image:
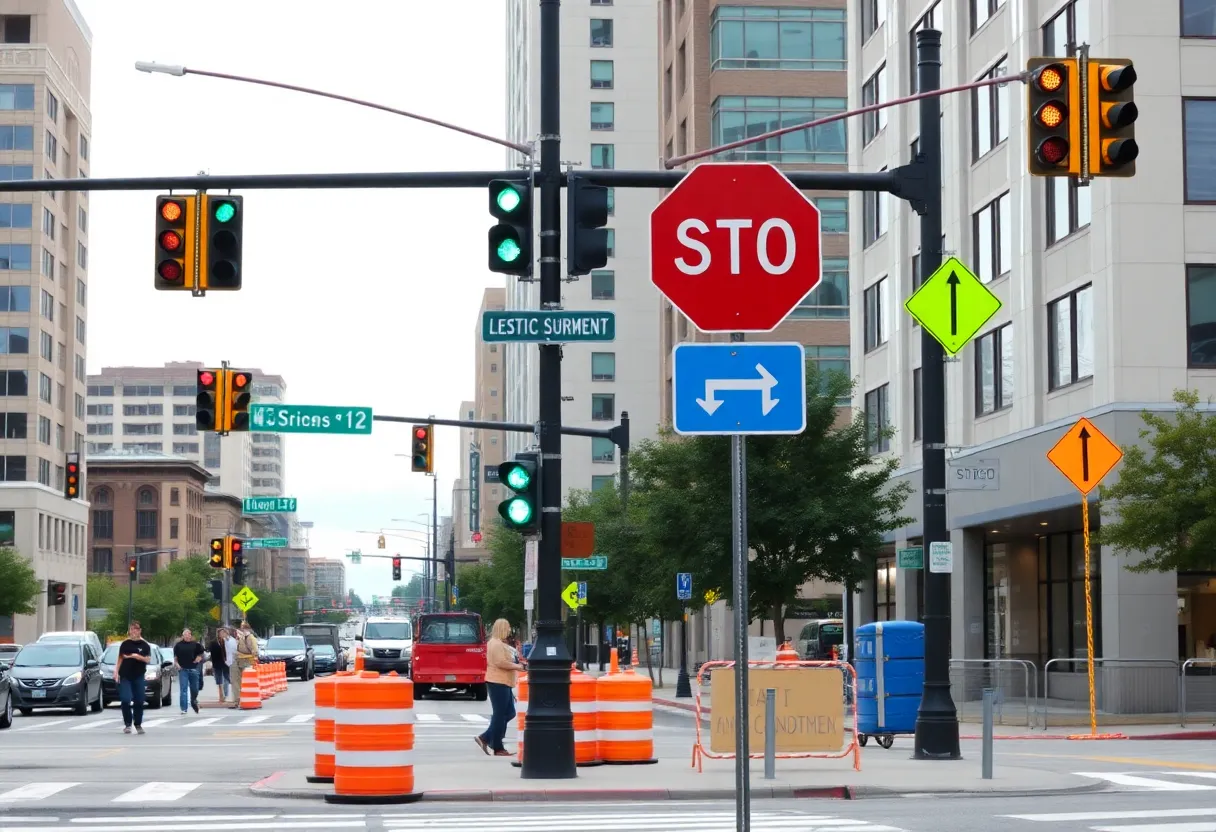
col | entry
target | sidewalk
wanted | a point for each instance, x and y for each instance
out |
(883, 775)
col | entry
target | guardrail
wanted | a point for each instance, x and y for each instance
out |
(1197, 687)
(1015, 683)
(1122, 687)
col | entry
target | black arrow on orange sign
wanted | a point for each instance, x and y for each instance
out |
(953, 281)
(1084, 435)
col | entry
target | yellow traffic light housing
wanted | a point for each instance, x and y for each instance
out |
(176, 242)
(1053, 130)
(1112, 117)
(238, 386)
(422, 457)
(217, 559)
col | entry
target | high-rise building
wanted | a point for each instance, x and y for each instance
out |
(45, 129)
(609, 120)
(1108, 304)
(327, 579)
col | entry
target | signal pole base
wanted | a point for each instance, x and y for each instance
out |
(549, 728)
(936, 736)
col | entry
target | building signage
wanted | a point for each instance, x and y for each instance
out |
(491, 473)
(974, 475)
(474, 490)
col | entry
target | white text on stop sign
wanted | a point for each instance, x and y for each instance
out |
(733, 226)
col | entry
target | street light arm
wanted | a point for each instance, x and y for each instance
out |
(173, 69)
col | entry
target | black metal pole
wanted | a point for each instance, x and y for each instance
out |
(130, 598)
(937, 720)
(549, 731)
(683, 684)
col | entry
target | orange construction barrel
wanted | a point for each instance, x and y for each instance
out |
(625, 718)
(373, 740)
(583, 707)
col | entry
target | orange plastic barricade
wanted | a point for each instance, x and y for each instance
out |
(786, 653)
(700, 751)
(251, 689)
(624, 716)
(282, 675)
(521, 715)
(358, 657)
(323, 730)
(373, 739)
(583, 705)
(264, 686)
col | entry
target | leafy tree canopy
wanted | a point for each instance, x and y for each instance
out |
(19, 585)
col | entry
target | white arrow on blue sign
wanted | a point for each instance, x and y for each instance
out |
(582, 590)
(684, 586)
(739, 388)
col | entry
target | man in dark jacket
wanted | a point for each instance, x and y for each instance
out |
(188, 657)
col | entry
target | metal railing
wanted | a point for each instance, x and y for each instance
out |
(1122, 687)
(1197, 688)
(1014, 682)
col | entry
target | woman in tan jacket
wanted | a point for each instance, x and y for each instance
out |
(501, 670)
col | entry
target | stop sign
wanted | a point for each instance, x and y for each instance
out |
(735, 247)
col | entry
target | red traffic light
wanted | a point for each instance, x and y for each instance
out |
(132, 565)
(396, 562)
(170, 270)
(420, 433)
(236, 547)
(1053, 151)
(172, 210)
(206, 378)
(171, 241)
(476, 537)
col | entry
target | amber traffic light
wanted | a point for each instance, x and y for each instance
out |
(1053, 131)
(133, 568)
(238, 396)
(175, 241)
(1112, 117)
(217, 553)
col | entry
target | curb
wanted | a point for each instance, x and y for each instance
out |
(1176, 735)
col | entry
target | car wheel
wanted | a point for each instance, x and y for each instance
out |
(82, 707)
(6, 716)
(167, 699)
(421, 691)
(158, 700)
(480, 692)
(26, 711)
(97, 703)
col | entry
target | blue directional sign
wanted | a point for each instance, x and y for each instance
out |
(684, 586)
(582, 592)
(739, 388)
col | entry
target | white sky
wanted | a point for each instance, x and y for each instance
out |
(364, 298)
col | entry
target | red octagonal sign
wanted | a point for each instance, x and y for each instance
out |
(735, 247)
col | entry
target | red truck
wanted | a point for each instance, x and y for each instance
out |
(449, 654)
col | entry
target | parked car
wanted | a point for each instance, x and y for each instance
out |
(158, 678)
(294, 652)
(6, 699)
(56, 675)
(8, 652)
(327, 659)
(87, 636)
(450, 653)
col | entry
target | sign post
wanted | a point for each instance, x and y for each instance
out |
(736, 247)
(683, 595)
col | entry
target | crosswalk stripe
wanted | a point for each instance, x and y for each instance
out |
(97, 723)
(474, 718)
(200, 723)
(300, 718)
(1145, 782)
(47, 724)
(156, 791)
(253, 720)
(1130, 814)
(1209, 826)
(640, 822)
(156, 722)
(35, 791)
(427, 717)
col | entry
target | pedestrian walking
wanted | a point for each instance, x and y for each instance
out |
(502, 668)
(246, 648)
(219, 664)
(188, 657)
(133, 657)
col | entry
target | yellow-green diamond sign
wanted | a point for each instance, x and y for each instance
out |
(245, 599)
(952, 305)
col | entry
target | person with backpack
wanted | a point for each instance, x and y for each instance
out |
(246, 656)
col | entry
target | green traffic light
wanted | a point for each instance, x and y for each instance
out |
(519, 511)
(224, 211)
(508, 199)
(508, 251)
(518, 478)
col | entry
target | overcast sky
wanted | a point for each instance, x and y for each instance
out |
(364, 298)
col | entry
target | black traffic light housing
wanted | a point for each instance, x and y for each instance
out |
(238, 396)
(1112, 114)
(208, 402)
(217, 589)
(222, 228)
(422, 449)
(217, 557)
(1053, 123)
(71, 476)
(522, 509)
(176, 224)
(510, 239)
(56, 593)
(132, 569)
(236, 553)
(586, 216)
(396, 569)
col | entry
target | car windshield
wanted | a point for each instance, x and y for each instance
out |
(49, 655)
(111, 654)
(285, 643)
(324, 650)
(388, 631)
(449, 630)
(70, 638)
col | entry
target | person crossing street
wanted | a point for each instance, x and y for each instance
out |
(133, 657)
(188, 657)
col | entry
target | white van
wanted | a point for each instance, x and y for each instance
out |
(388, 644)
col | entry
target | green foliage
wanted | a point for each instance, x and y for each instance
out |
(495, 589)
(178, 596)
(353, 599)
(413, 590)
(19, 584)
(1166, 496)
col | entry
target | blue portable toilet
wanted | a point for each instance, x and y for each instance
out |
(889, 657)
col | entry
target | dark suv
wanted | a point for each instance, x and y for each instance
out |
(158, 678)
(56, 675)
(294, 652)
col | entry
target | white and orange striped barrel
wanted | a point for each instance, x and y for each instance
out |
(625, 718)
(786, 653)
(373, 739)
(521, 713)
(583, 707)
(251, 688)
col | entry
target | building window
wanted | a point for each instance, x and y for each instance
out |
(831, 360)
(927, 21)
(46, 346)
(993, 239)
(601, 75)
(146, 524)
(44, 387)
(603, 156)
(14, 340)
(736, 117)
(1198, 147)
(1068, 207)
(599, 482)
(44, 430)
(13, 425)
(777, 38)
(833, 214)
(874, 91)
(1070, 338)
(12, 468)
(601, 31)
(175, 497)
(875, 216)
(873, 15)
(603, 115)
(610, 233)
(51, 148)
(603, 285)
(603, 366)
(1201, 316)
(44, 471)
(82, 256)
(611, 202)
(12, 172)
(994, 371)
(20, 215)
(103, 560)
(1199, 18)
(103, 524)
(982, 10)
(15, 257)
(16, 137)
(602, 450)
(603, 407)
(1061, 568)
(990, 112)
(173, 528)
(14, 298)
(830, 299)
(876, 309)
(878, 418)
(917, 404)
(17, 97)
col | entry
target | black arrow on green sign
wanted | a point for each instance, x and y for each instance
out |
(953, 281)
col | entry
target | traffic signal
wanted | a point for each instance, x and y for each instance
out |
(1054, 115)
(1112, 117)
(71, 478)
(237, 398)
(208, 402)
(217, 553)
(586, 216)
(521, 510)
(236, 555)
(175, 241)
(511, 237)
(133, 569)
(56, 593)
(396, 569)
(380, 542)
(422, 458)
(222, 229)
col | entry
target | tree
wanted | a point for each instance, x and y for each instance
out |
(1166, 496)
(495, 589)
(19, 584)
(176, 597)
(354, 599)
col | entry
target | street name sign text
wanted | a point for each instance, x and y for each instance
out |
(547, 326)
(309, 418)
(268, 505)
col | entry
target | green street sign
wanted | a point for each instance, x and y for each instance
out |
(912, 558)
(309, 418)
(356, 556)
(597, 562)
(547, 326)
(266, 543)
(268, 505)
